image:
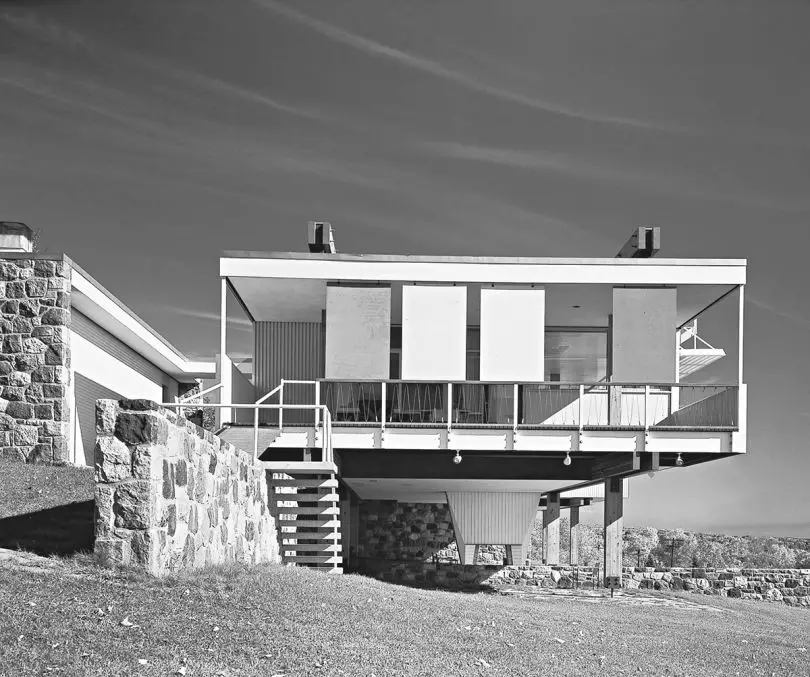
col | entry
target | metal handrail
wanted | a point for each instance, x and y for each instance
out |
(587, 384)
(326, 443)
(187, 400)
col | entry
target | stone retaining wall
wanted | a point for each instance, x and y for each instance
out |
(791, 586)
(170, 495)
(34, 358)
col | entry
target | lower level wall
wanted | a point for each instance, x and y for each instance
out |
(170, 495)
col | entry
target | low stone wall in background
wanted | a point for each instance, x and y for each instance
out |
(791, 586)
(170, 495)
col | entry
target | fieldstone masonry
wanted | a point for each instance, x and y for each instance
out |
(170, 495)
(34, 358)
(790, 586)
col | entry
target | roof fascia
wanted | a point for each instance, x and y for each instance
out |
(93, 300)
(495, 270)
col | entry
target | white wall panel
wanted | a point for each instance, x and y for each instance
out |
(512, 334)
(358, 332)
(434, 332)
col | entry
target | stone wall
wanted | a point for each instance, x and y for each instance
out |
(391, 531)
(791, 586)
(404, 531)
(170, 495)
(34, 358)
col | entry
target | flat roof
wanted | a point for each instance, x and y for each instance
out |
(499, 260)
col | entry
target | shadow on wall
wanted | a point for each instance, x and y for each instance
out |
(62, 530)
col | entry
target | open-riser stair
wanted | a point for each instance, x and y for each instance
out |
(307, 509)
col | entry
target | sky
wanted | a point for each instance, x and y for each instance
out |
(145, 137)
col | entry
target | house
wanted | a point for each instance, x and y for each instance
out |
(67, 342)
(399, 404)
(470, 391)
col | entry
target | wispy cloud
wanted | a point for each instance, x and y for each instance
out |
(794, 318)
(444, 72)
(43, 29)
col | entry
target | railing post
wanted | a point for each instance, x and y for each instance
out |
(281, 407)
(449, 406)
(317, 402)
(515, 393)
(646, 407)
(580, 406)
(256, 431)
(383, 406)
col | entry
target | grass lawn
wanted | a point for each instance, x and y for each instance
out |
(283, 621)
(46, 509)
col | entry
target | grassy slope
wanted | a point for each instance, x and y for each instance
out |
(273, 620)
(46, 509)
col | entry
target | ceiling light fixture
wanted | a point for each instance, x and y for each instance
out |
(567, 459)
(457, 458)
(679, 461)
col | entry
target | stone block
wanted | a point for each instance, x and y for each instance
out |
(8, 271)
(113, 552)
(168, 477)
(106, 413)
(12, 344)
(15, 290)
(12, 454)
(42, 453)
(56, 355)
(19, 379)
(146, 462)
(36, 287)
(19, 410)
(141, 427)
(113, 460)
(103, 510)
(26, 435)
(43, 268)
(56, 316)
(133, 505)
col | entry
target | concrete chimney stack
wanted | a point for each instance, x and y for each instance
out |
(16, 237)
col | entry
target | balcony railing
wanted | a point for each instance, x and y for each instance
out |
(531, 405)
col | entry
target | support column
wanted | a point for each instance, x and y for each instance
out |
(614, 509)
(551, 529)
(573, 521)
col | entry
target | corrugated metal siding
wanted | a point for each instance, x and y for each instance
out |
(493, 518)
(290, 350)
(86, 328)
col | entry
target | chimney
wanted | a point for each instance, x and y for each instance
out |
(321, 239)
(644, 243)
(16, 237)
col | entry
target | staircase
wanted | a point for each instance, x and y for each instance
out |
(305, 504)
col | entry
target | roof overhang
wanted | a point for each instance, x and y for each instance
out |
(91, 299)
(499, 270)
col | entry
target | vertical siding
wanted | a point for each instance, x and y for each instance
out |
(493, 518)
(289, 350)
(104, 340)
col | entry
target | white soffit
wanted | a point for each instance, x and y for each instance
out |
(434, 490)
(434, 333)
(91, 300)
(484, 270)
(512, 331)
(282, 300)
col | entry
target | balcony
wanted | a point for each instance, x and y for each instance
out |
(588, 406)
(549, 417)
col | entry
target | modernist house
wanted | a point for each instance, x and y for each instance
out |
(485, 387)
(401, 403)
(68, 342)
